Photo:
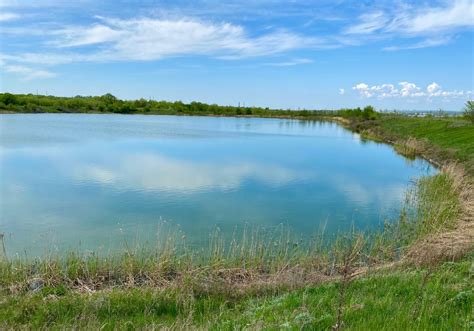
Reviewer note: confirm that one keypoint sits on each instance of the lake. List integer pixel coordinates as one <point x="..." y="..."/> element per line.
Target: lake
<point x="93" y="182"/>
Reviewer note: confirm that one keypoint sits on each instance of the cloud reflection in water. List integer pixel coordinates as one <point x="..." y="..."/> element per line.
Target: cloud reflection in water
<point x="156" y="172"/>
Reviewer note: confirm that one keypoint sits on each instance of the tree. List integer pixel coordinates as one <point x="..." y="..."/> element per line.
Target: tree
<point x="369" y="113"/>
<point x="8" y="99"/>
<point x="469" y="110"/>
<point x="108" y="98"/>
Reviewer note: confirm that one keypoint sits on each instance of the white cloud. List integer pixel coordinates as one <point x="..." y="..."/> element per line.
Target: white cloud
<point x="290" y="63"/>
<point x="26" y="72"/>
<point x="429" y="42"/>
<point x="44" y="3"/>
<point x="459" y="14"/>
<point x="362" y="194"/>
<point x="435" y="25"/>
<point x="423" y="20"/>
<point x="8" y="17"/>
<point x="148" y="39"/>
<point x="363" y="89"/>
<point x="153" y="39"/>
<point x="49" y="59"/>
<point x="342" y="91"/>
<point x="433" y="88"/>
<point x="95" y="34"/>
<point x="409" y="90"/>
<point x="369" y="23"/>
<point x="406" y="90"/>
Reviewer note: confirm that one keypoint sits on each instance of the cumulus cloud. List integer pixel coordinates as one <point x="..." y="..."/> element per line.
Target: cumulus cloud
<point x="406" y="90"/>
<point x="342" y="91"/>
<point x="433" y="88"/>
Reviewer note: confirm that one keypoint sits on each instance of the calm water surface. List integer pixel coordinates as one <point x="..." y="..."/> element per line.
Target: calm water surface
<point x="93" y="181"/>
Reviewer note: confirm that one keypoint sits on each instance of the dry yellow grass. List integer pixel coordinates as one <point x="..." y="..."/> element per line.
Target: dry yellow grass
<point x="452" y="244"/>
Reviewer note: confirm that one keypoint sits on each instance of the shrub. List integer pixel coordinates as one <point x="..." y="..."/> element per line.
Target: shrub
<point x="8" y="99"/>
<point x="369" y="113"/>
<point x="469" y="110"/>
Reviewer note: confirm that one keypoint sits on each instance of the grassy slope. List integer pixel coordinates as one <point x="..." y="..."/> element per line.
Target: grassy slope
<point x="441" y="299"/>
<point x="452" y="138"/>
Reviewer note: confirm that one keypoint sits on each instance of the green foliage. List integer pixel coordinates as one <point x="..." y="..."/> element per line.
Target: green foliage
<point x="8" y="99"/>
<point x="469" y="110"/>
<point x="368" y="113"/>
<point x="108" y="103"/>
<point x="108" y="99"/>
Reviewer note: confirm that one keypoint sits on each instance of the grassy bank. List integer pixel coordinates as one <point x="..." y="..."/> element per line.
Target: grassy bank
<point x="442" y="139"/>
<point x="439" y="298"/>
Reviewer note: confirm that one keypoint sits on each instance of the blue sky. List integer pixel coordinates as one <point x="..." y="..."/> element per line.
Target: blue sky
<point x="285" y="54"/>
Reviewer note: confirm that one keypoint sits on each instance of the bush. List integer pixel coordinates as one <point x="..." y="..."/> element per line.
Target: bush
<point x="108" y="98"/>
<point x="469" y="110"/>
<point x="8" y="99"/>
<point x="369" y="113"/>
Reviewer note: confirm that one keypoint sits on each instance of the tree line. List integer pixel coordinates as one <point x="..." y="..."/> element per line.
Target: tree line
<point x="108" y="103"/>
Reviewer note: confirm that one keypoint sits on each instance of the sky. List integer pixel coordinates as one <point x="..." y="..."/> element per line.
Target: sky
<point x="300" y="54"/>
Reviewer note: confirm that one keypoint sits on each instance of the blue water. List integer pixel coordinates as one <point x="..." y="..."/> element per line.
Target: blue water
<point x="89" y="182"/>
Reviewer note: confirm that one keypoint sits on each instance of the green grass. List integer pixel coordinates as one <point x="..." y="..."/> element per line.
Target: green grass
<point x="434" y="206"/>
<point x="452" y="138"/>
<point x="397" y="300"/>
<point x="441" y="298"/>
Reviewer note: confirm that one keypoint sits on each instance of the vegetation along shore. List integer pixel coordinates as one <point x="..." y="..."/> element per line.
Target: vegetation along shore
<point x="416" y="273"/>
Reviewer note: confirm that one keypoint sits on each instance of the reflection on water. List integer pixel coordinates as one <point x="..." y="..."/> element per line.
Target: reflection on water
<point x="91" y="181"/>
<point x="157" y="172"/>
